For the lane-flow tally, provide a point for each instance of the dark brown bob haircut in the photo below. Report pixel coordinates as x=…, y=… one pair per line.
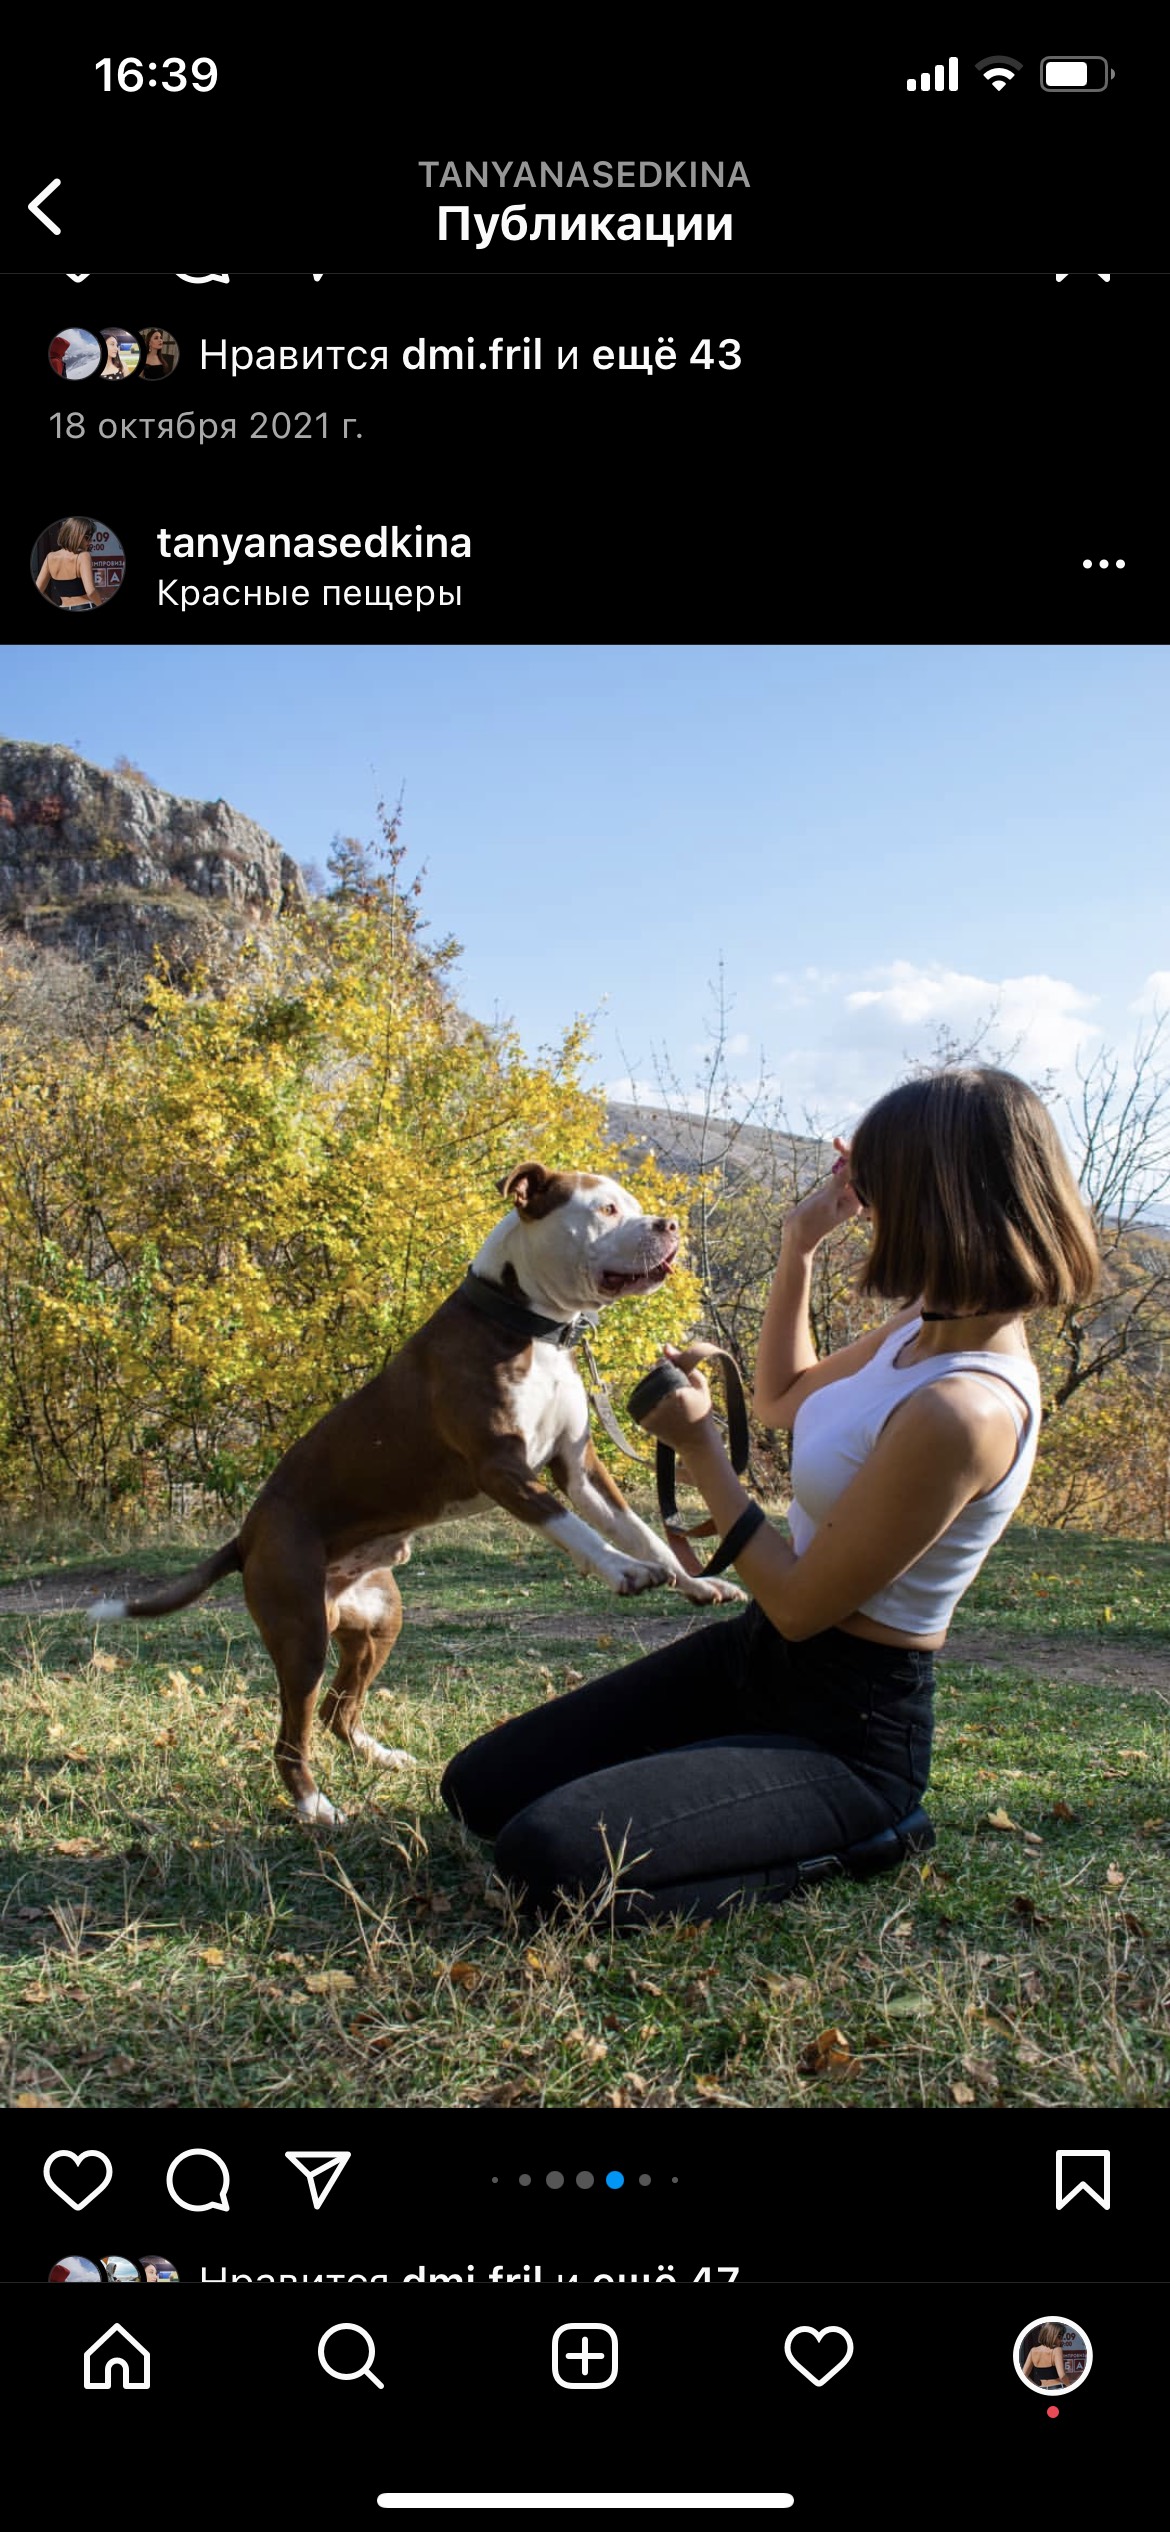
x=973, y=1199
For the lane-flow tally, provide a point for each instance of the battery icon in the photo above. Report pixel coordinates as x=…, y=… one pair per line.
x=1074, y=75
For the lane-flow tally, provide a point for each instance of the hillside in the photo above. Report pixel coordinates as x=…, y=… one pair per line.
x=105, y=866
x=689, y=1143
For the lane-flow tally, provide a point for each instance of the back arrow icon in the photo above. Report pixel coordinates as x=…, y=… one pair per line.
x=43, y=196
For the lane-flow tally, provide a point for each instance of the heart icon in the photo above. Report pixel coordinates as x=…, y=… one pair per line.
x=805, y=2330
x=92, y=2156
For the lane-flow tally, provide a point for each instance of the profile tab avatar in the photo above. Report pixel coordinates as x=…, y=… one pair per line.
x=133, y=2367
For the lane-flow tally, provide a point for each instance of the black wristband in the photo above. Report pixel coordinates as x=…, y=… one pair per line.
x=736, y=1540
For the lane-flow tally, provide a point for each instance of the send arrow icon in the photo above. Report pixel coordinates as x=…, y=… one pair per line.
x=320, y=2170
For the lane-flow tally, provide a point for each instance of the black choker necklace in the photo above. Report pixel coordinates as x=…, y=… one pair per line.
x=952, y=1314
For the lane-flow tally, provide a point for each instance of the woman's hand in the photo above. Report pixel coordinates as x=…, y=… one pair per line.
x=830, y=1204
x=675, y=1419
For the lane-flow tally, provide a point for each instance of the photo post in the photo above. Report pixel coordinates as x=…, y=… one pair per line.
x=585, y=1278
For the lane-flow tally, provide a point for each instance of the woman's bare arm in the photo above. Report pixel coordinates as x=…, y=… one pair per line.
x=935, y=1452
x=787, y=1364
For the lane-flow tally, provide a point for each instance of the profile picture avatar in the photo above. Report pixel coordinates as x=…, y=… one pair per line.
x=78, y=564
x=75, y=353
x=123, y=352
x=1053, y=2356
x=160, y=352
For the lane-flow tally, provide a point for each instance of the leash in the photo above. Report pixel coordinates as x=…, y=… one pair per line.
x=642, y=1401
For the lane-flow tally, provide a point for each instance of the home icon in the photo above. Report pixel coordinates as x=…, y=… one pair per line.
x=116, y=2370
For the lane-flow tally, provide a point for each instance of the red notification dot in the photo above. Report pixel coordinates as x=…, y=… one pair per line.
x=1054, y=2413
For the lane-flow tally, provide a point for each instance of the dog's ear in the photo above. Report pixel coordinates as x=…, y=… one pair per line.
x=525, y=1185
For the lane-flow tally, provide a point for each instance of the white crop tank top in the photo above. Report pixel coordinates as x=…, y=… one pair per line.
x=834, y=1431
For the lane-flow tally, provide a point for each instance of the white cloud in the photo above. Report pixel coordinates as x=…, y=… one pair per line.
x=867, y=1026
x=1155, y=994
x=633, y=1092
x=1041, y=1017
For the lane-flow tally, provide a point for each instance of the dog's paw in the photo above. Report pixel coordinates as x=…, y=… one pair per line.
x=703, y=1589
x=377, y=1752
x=633, y=1576
x=319, y=1813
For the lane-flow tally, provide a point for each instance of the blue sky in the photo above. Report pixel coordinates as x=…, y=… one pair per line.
x=874, y=839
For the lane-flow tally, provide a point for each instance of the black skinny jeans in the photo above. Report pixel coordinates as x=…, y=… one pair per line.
x=712, y=1768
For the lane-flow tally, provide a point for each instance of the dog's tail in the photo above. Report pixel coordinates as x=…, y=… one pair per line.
x=177, y=1595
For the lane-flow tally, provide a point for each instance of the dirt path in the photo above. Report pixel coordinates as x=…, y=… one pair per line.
x=1085, y=1660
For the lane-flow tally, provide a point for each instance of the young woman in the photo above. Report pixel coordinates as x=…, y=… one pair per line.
x=710, y=1770
x=155, y=362
x=115, y=362
x=1044, y=2362
x=69, y=569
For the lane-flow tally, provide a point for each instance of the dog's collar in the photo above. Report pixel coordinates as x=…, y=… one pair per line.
x=519, y=1319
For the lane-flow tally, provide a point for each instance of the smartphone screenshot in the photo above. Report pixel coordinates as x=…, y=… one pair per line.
x=585, y=1269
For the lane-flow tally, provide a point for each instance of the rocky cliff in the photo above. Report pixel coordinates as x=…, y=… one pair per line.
x=106, y=866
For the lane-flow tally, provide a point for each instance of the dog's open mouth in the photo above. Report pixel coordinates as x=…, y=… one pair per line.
x=644, y=1282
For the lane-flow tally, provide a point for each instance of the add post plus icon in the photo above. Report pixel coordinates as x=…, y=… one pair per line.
x=321, y=2171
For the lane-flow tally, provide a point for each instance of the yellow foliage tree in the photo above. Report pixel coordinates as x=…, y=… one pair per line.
x=239, y=1214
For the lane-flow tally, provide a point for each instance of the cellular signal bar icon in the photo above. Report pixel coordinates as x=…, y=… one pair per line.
x=951, y=81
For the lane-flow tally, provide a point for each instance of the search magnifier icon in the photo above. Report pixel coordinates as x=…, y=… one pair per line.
x=354, y=2330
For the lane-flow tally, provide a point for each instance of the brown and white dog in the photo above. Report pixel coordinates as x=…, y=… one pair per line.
x=481, y=1400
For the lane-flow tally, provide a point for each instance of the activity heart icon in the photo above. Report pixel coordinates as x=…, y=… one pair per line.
x=805, y=2330
x=77, y=2160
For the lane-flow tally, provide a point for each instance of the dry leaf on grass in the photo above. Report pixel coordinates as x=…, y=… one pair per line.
x=461, y=1974
x=76, y=1846
x=213, y=1958
x=1115, y=1877
x=103, y=1661
x=592, y=2050
x=963, y=2094
x=1063, y=1811
x=828, y=2054
x=709, y=2088
x=329, y=1982
x=981, y=2073
x=1000, y=1820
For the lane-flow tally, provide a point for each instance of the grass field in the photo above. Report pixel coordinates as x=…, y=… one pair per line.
x=170, y=1936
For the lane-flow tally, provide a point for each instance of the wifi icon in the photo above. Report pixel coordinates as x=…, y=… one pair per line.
x=998, y=69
